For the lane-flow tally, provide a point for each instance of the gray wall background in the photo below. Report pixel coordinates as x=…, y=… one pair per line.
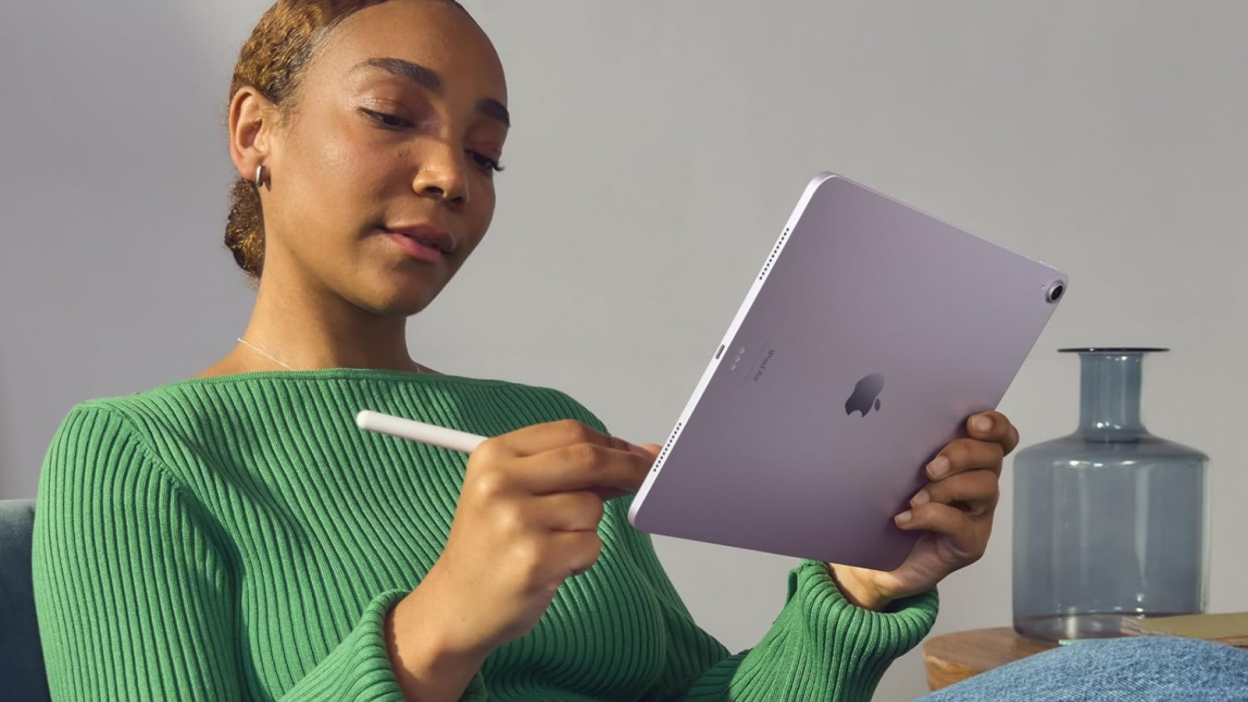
x=658, y=149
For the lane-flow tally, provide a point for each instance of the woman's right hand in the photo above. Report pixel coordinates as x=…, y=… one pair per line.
x=527, y=519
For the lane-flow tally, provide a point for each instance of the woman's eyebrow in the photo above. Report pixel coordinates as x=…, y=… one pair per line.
x=428, y=79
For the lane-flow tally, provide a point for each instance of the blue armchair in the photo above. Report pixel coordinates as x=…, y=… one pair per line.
x=21, y=659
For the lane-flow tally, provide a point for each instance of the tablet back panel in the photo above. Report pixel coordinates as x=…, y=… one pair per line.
x=783, y=447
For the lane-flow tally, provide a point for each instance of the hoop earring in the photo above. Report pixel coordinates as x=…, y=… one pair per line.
x=259, y=173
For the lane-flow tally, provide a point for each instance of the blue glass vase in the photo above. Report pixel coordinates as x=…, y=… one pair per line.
x=1110, y=522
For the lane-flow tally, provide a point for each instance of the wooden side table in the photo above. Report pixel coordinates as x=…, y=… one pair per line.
x=954, y=657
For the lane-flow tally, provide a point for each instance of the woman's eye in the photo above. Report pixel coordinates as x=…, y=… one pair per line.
x=388, y=120
x=486, y=163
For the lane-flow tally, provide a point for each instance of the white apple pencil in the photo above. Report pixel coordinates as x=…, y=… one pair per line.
x=418, y=431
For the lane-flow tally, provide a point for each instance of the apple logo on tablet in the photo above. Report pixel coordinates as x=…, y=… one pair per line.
x=866, y=395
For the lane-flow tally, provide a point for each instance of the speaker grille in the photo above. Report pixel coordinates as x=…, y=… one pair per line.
x=670, y=441
x=774, y=252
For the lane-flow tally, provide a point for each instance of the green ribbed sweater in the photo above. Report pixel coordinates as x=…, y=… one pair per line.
x=237, y=538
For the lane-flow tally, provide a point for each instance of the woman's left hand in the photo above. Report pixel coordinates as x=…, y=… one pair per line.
x=954, y=509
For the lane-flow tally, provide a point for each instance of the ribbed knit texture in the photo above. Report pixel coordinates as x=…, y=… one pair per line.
x=237, y=538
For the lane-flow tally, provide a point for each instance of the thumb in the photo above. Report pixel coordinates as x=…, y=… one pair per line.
x=650, y=451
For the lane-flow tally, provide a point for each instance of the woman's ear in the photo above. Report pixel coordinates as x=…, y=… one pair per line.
x=252, y=123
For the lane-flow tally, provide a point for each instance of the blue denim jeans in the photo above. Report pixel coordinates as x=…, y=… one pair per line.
x=1133, y=669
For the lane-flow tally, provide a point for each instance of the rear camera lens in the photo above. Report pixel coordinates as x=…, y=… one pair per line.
x=1056, y=290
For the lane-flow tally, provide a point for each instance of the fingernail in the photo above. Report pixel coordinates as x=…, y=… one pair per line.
x=982, y=423
x=938, y=467
x=903, y=517
x=920, y=499
x=638, y=450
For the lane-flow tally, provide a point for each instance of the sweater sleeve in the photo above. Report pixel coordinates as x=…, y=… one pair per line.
x=134, y=593
x=820, y=646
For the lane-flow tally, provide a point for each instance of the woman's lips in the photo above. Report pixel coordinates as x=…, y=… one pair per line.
x=415, y=249
x=426, y=234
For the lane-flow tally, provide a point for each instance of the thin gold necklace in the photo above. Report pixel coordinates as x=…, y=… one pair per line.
x=283, y=364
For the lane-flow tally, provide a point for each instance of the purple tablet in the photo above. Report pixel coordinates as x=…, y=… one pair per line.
x=871, y=333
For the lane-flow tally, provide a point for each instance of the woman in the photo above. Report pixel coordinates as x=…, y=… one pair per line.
x=232, y=536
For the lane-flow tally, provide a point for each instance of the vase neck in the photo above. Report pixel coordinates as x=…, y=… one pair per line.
x=1110, y=392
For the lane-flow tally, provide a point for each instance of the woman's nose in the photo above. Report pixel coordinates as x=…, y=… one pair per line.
x=442, y=174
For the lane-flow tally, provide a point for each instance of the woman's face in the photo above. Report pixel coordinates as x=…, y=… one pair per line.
x=398, y=123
